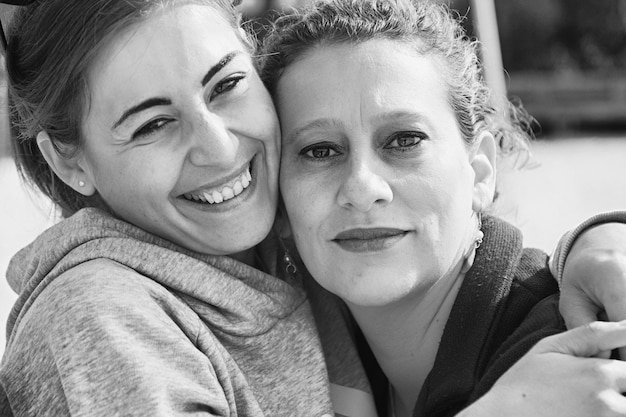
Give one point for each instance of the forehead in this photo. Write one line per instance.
(174, 45)
(368, 78)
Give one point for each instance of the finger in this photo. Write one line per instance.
(585, 341)
(614, 403)
(616, 371)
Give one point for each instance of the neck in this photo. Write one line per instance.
(404, 336)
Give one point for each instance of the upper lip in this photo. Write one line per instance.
(223, 180)
(369, 233)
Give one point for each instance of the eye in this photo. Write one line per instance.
(404, 141)
(320, 151)
(151, 128)
(227, 85)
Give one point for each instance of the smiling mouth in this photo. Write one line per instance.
(224, 192)
(369, 240)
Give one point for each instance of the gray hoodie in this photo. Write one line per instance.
(112, 320)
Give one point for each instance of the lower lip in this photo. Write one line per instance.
(369, 245)
(238, 200)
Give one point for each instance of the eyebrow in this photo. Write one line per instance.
(151, 102)
(218, 67)
(409, 116)
(324, 123)
(160, 101)
(312, 125)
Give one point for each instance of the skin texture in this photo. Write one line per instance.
(198, 133)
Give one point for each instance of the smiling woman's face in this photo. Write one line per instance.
(377, 181)
(181, 137)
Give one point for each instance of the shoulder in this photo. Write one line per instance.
(532, 276)
(97, 287)
(531, 301)
(100, 302)
(103, 339)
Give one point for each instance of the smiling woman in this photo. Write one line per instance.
(160, 140)
(187, 132)
(164, 291)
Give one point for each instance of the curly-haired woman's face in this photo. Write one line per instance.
(377, 181)
(182, 138)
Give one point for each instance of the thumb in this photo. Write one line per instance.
(585, 341)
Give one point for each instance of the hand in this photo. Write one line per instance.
(559, 377)
(594, 277)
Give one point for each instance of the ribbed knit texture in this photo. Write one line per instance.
(557, 260)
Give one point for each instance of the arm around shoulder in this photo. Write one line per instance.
(590, 264)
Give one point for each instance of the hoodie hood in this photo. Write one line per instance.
(229, 295)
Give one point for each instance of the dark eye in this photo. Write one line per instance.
(319, 151)
(151, 128)
(404, 140)
(226, 85)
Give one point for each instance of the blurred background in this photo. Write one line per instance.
(565, 60)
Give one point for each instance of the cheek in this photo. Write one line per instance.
(302, 207)
(125, 183)
(261, 110)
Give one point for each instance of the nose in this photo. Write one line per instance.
(363, 188)
(211, 141)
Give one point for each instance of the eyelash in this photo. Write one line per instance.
(154, 126)
(333, 150)
(331, 147)
(226, 85)
(418, 136)
(151, 128)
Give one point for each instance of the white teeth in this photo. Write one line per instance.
(217, 197)
(238, 188)
(227, 191)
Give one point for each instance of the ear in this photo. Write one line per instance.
(484, 165)
(67, 169)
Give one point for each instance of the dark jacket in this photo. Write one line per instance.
(508, 302)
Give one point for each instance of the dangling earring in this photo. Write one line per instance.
(290, 266)
(478, 240)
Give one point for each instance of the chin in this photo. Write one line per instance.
(376, 294)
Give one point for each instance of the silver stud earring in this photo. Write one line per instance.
(81, 183)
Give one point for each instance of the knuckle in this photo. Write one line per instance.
(598, 373)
